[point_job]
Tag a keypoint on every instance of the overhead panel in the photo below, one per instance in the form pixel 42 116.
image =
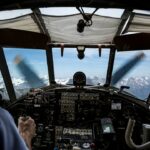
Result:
pixel 140 23
pixel 63 29
pixel 22 23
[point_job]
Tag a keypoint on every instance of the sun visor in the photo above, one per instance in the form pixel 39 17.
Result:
pixel 23 39
pixel 64 29
pixel 136 34
pixel 130 42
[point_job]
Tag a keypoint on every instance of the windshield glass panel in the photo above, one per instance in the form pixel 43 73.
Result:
pixel 92 65
pixel 35 60
pixel 72 10
pixel 138 78
pixel 14 13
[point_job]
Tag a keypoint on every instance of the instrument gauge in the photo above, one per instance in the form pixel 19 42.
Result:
pixel 79 79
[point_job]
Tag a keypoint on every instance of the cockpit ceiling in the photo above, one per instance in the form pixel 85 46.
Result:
pixel 63 29
pixel 21 23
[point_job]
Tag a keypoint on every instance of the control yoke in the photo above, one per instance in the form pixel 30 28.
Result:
pixel 128 137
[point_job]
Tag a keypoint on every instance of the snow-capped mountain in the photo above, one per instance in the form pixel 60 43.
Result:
pixel 139 86
pixel 62 81
pixel 91 81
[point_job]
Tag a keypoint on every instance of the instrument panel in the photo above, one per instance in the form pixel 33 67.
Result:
pixel 72 104
pixel 86 118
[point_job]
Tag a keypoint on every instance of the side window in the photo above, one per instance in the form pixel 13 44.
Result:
pixel 35 60
pixel 138 78
pixel 3 90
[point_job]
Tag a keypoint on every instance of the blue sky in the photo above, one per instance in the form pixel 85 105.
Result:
pixel 66 66
pixel 36 59
pixel 92 64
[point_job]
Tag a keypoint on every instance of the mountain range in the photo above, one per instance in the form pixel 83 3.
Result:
pixel 139 86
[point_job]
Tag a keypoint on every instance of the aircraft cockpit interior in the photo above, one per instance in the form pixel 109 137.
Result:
pixel 80 69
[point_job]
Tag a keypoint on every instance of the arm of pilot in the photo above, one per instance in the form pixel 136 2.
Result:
pixel 10 138
pixel 26 128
